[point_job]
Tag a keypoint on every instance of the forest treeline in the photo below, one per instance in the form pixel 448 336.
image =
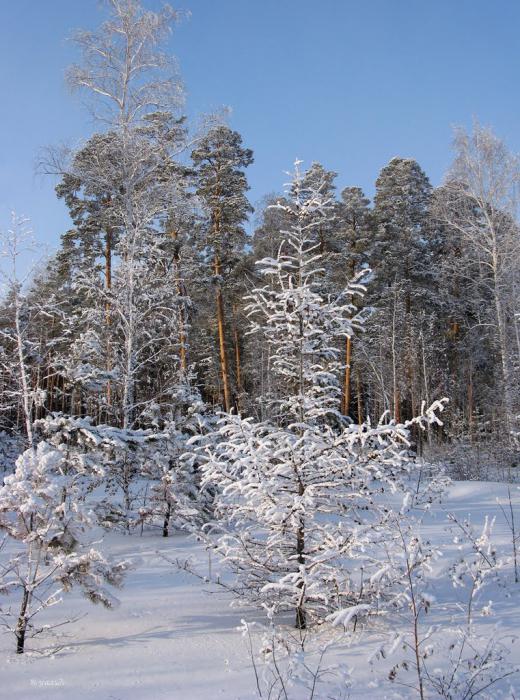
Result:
pixel 146 299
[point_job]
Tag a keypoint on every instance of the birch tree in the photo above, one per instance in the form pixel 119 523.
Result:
pixel 480 205
pixel 124 67
pixel 19 345
pixel 133 88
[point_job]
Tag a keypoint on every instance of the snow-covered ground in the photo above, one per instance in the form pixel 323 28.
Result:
pixel 174 637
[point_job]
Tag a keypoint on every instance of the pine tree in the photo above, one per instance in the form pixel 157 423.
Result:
pixel 42 507
pixel 219 161
pixel 401 257
pixel 355 238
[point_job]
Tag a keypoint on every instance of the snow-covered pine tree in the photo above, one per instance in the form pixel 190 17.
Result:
pixel 267 238
pixel 354 240
pixel 119 455
pixel 298 322
pixel 145 476
pixel 299 498
pixel 43 508
pixel 123 457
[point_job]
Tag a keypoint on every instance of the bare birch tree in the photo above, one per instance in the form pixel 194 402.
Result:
pixel 480 205
pixel 16 243
pixel 133 88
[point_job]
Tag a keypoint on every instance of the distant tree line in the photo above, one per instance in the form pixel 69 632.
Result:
pixel 148 291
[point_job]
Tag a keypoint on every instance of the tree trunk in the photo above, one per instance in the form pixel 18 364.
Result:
pixel 359 397
pixel 108 315
pixel 470 403
pixel 238 366
pixel 166 522
pixel 21 625
pixel 301 615
pixel 346 380
pixel 504 360
pixel 396 398
pixel 221 337
pixel 128 387
pixel 426 386
pixel 183 351
pixel 24 381
pixel 183 355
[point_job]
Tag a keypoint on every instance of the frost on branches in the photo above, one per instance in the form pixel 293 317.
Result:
pixel 305 502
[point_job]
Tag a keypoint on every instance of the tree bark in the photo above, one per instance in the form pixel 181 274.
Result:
pixel 346 380
pixel 166 522
pixel 221 337
pixel 108 314
pixel 301 615
pixel 21 625
pixel 238 364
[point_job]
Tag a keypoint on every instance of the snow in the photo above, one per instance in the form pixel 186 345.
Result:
pixel 174 636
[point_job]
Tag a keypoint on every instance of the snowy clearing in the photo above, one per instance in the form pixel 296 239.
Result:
pixel 175 637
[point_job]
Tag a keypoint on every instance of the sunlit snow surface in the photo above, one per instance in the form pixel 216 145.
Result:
pixel 175 638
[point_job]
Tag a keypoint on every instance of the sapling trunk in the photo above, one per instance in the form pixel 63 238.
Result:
pixel 346 378
pixel 21 625
pixel 166 522
pixel 301 615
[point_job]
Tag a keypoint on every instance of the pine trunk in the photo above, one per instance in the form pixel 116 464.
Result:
pixel 221 337
pixel 301 615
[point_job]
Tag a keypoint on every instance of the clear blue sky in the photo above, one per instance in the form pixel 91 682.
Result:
pixel 350 84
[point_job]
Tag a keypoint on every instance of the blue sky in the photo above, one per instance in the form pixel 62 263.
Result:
pixel 350 84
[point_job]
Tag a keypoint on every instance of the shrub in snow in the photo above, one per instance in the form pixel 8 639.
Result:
pixel 43 510
pixel 509 517
pixel 173 496
pixel 454 662
pixel 294 668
